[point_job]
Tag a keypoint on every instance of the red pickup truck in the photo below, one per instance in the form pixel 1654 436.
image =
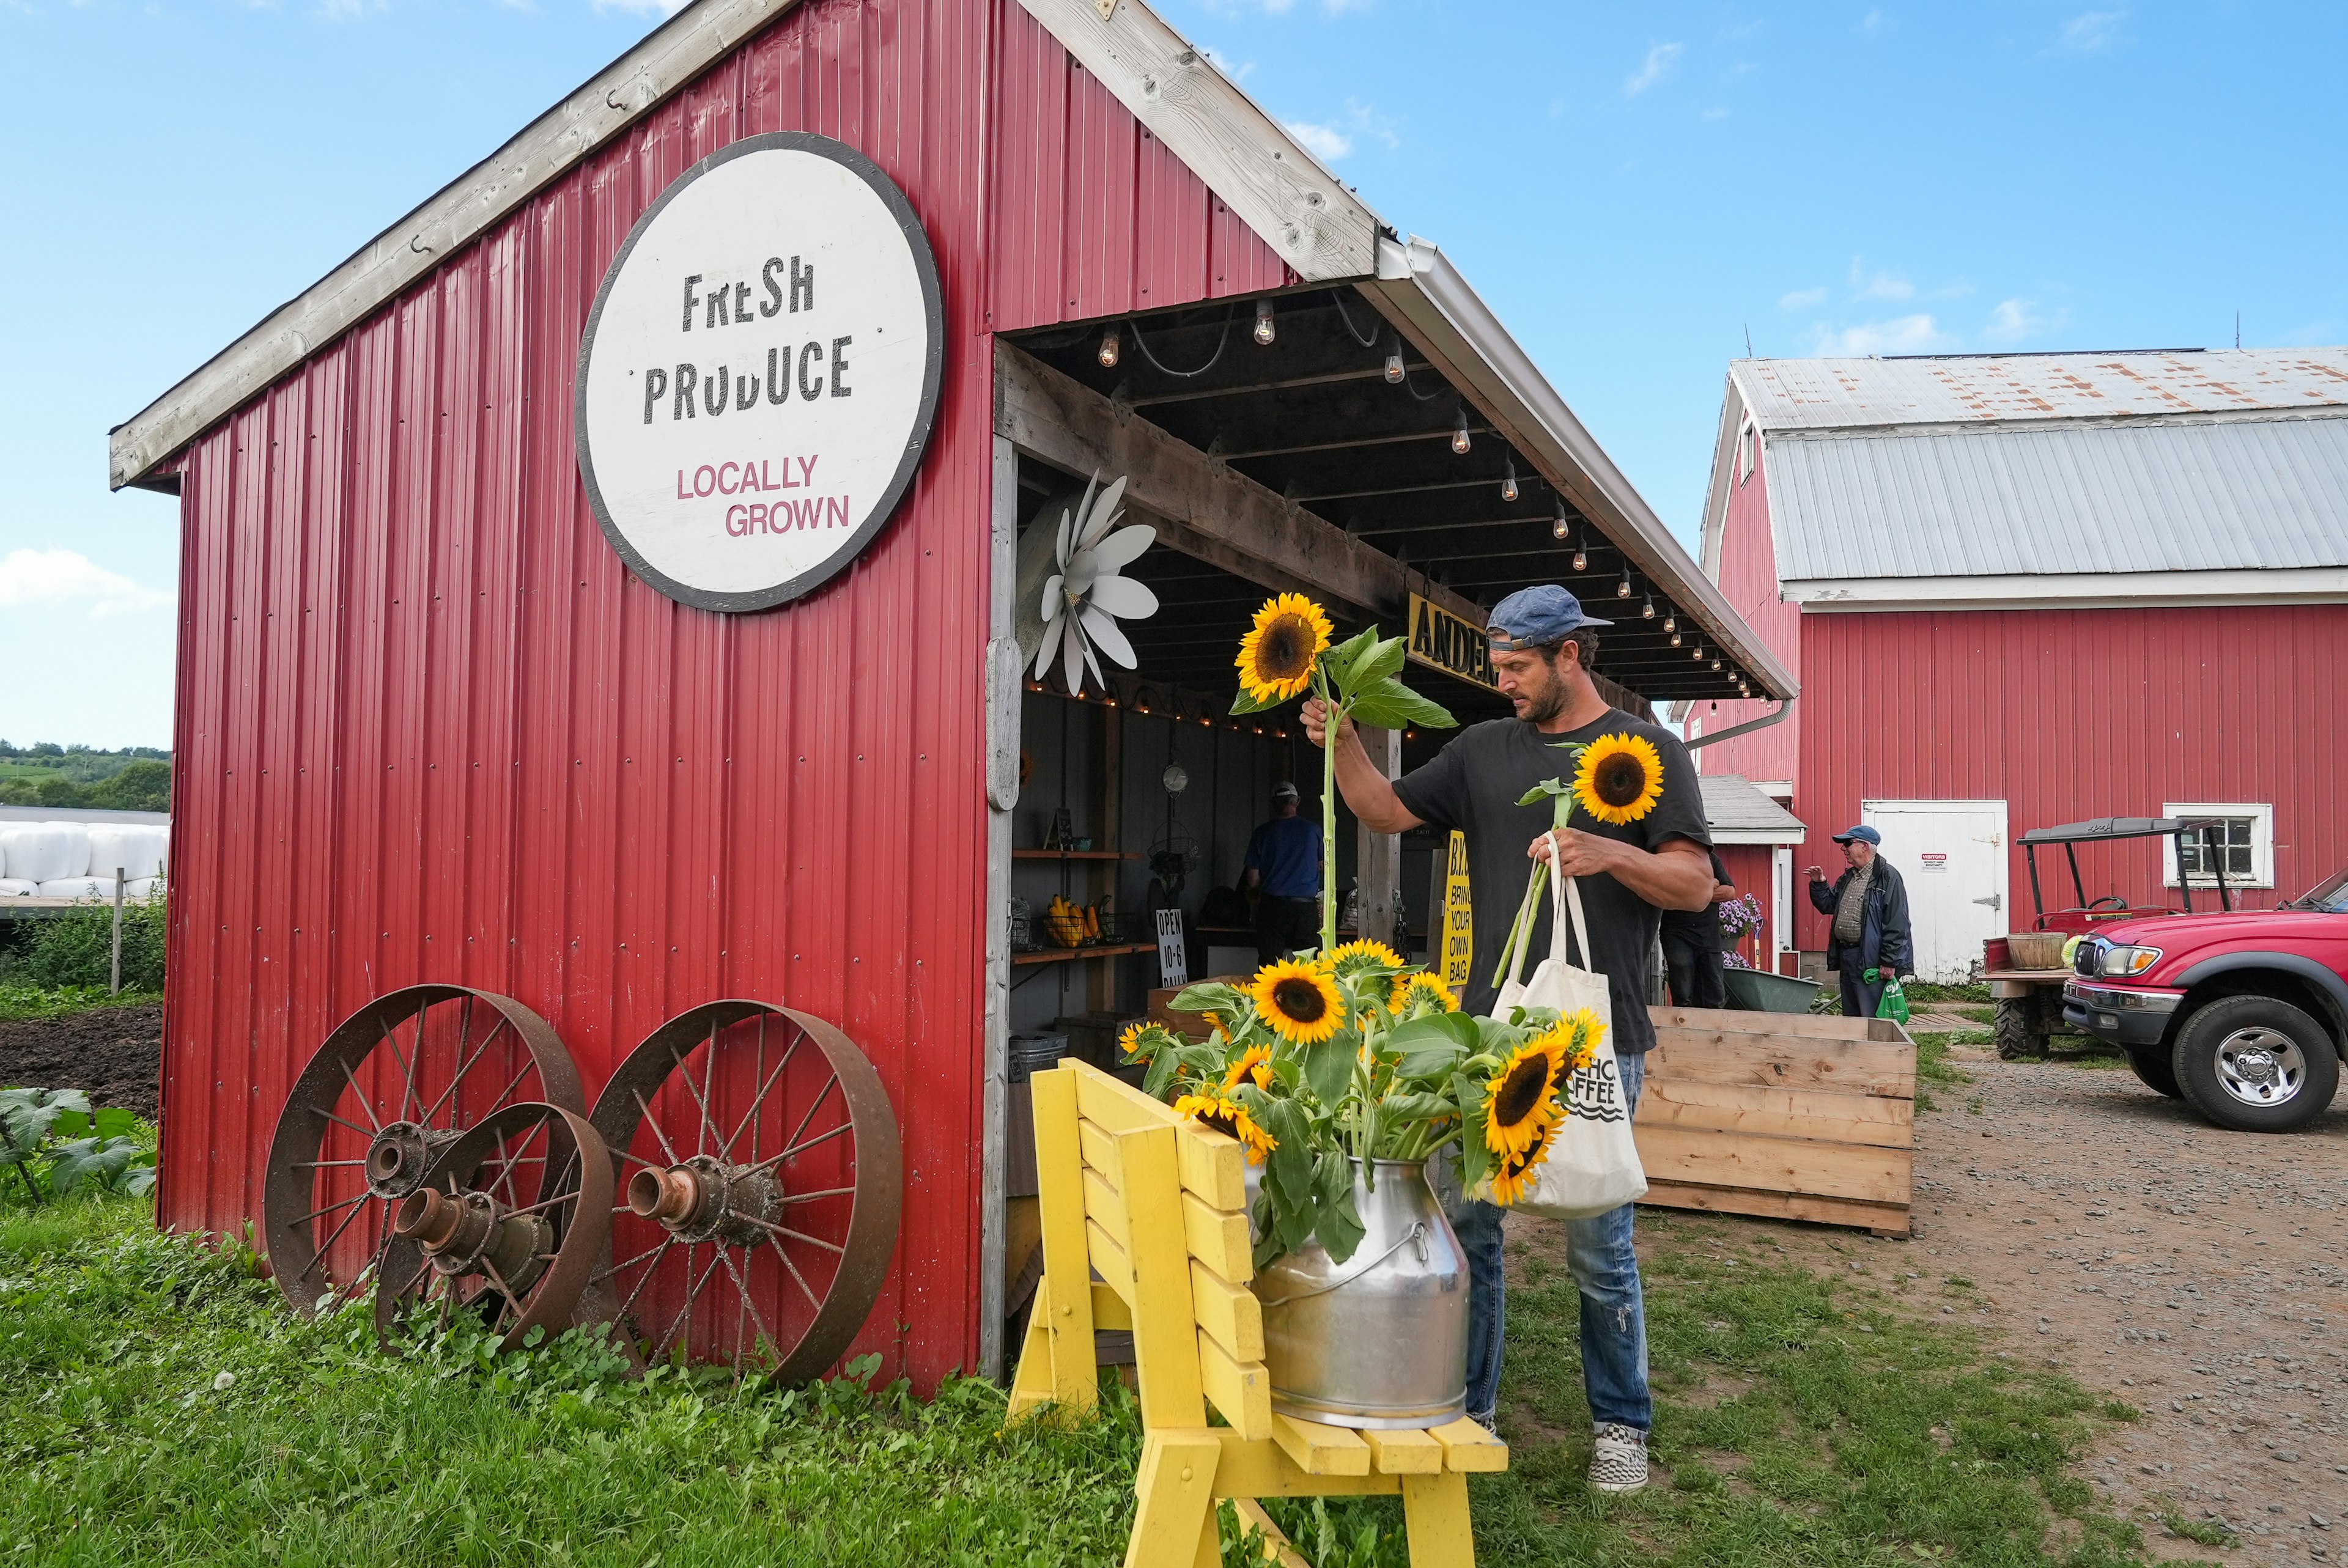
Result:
pixel 2243 1016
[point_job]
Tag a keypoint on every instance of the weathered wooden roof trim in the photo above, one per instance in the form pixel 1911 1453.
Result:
pixel 1435 308
pixel 475 201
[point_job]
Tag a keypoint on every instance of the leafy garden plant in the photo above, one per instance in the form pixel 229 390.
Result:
pixel 58 1145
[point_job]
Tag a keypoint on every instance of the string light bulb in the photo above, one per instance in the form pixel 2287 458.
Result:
pixel 1715 662
pixel 1622 588
pixel 1699 652
pixel 1671 622
pixel 1675 638
pixel 1560 527
pixel 1581 553
pixel 1394 359
pixel 1112 344
pixel 1647 611
pixel 1459 441
pixel 1508 480
pixel 1263 330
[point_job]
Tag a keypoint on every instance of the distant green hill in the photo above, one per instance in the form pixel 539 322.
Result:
pixel 135 778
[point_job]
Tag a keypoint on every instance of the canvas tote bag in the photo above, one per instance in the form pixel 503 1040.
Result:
pixel 1593 1164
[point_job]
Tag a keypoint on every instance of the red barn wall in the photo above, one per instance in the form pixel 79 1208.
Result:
pixel 1748 872
pixel 1748 580
pixel 430 729
pixel 2072 713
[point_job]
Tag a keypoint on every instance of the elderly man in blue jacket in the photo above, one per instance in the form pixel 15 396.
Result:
pixel 1869 942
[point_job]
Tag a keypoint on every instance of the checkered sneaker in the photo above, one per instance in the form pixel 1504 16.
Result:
pixel 1618 1462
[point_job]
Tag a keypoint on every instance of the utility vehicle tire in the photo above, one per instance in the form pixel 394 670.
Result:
pixel 2154 1070
pixel 2017 1040
pixel 2255 1064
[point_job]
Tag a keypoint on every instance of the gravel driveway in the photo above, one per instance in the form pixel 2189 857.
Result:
pixel 2199 1274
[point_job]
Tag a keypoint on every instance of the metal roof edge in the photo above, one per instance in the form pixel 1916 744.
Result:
pixel 1711 540
pixel 1420 281
pixel 2073 590
pixel 2297 413
pixel 669 56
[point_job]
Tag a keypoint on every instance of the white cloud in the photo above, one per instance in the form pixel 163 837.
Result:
pixel 1661 59
pixel 643 7
pixel 1902 334
pixel 1866 285
pixel 1801 299
pixel 63 577
pixel 2015 321
pixel 1325 142
pixel 1236 70
pixel 1874 21
pixel 2092 31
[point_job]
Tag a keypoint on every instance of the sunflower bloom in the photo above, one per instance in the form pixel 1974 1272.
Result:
pixel 1522 1104
pixel 1254 1065
pixel 1137 1043
pixel 1230 1118
pixel 1300 1001
pixel 1620 779
pixel 1587 1032
pixel 1514 1173
pixel 1423 987
pixel 1354 957
pixel 1277 654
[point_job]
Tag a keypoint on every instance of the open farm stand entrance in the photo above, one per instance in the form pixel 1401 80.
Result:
pixel 600 593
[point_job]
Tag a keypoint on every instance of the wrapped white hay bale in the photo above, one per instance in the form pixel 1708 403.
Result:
pixel 43 851
pixel 17 888
pixel 142 888
pixel 136 848
pixel 85 889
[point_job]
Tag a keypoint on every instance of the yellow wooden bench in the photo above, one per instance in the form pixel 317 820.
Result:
pixel 1156 1205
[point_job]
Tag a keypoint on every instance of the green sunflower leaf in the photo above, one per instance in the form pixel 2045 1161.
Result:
pixel 1391 705
pixel 1475 1159
pixel 1208 996
pixel 1339 661
pixel 1421 1106
pixel 1329 1067
pixel 1547 789
pixel 1380 659
pixel 1243 703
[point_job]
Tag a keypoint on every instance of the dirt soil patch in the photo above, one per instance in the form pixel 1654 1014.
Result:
pixel 113 1054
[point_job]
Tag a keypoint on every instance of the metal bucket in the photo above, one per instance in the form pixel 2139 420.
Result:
pixel 1381 1340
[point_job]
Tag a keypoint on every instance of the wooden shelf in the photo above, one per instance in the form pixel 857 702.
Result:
pixel 1065 955
pixel 1075 854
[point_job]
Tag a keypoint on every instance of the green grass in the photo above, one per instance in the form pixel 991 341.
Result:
pixel 1800 1422
pixel 1934 1068
pixel 57 1001
pixel 1926 991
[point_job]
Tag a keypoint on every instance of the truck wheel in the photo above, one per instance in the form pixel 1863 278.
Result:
pixel 2255 1064
pixel 2154 1070
pixel 2016 1038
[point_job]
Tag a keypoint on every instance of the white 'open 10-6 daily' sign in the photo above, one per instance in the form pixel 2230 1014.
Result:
pixel 759 373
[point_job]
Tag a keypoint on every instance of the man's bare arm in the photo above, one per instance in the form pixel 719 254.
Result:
pixel 1677 875
pixel 1369 793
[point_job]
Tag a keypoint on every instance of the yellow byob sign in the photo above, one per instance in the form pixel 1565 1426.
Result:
pixel 1459 916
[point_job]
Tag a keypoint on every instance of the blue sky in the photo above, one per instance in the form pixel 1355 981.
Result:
pixel 1634 189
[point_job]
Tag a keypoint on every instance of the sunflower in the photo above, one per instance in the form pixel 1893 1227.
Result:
pixel 1354 957
pixel 1423 987
pixel 1587 1032
pixel 1136 1042
pixel 1620 779
pixel 1255 1062
pixel 1522 1099
pixel 1515 1172
pixel 1300 1001
pixel 1277 655
pixel 1230 1118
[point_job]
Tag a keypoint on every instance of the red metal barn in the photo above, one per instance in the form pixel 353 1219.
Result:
pixel 2027 590
pixel 434 727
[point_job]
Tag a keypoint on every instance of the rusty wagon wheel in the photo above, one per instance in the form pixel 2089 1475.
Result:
pixel 390 1089
pixel 507 1226
pixel 757 1159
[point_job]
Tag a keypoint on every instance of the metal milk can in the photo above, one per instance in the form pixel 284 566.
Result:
pixel 1381 1340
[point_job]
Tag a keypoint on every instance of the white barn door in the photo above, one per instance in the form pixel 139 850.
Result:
pixel 1952 854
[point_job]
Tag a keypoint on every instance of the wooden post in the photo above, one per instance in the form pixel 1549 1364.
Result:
pixel 116 986
pixel 1378 858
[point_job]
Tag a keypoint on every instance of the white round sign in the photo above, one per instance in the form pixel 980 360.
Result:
pixel 760 371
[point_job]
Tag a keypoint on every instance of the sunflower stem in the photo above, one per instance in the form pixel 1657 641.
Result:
pixel 1337 710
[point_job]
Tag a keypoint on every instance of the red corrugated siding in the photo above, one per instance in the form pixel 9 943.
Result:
pixel 2066 714
pixel 1748 871
pixel 430 729
pixel 1749 580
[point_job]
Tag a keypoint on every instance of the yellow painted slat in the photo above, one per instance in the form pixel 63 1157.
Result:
pixel 1407 1453
pixel 1240 1389
pixel 1118 1106
pixel 1214 1166
pixel 1470 1448
pixel 1261 1469
pixel 1110 1258
pixel 1104 1206
pixel 1217 1239
pixel 1277 1547
pixel 1165 1336
pixel 1317 1450
pixel 1101 1151
pixel 1435 1517
pixel 1109 1310
pixel 1060 1205
pixel 1228 1313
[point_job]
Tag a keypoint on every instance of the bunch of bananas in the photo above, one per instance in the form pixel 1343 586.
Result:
pixel 1072 924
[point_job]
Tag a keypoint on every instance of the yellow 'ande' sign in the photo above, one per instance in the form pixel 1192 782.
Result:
pixel 1459 917
pixel 1442 640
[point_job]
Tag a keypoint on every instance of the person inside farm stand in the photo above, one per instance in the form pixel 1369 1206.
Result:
pixel 1283 870
pixel 1656 857
pixel 1692 943
pixel 1868 940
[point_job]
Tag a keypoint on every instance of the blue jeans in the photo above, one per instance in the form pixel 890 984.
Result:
pixel 1613 1311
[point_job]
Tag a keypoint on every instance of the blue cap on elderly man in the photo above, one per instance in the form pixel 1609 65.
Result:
pixel 1862 832
pixel 1535 618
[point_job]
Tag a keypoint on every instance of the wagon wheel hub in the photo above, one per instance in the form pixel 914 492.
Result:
pixel 705 1199
pixel 398 1155
pixel 465 1233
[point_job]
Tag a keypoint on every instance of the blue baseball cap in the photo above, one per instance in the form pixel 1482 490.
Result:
pixel 1862 832
pixel 1535 618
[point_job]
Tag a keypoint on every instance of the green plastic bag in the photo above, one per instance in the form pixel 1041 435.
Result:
pixel 1894 1005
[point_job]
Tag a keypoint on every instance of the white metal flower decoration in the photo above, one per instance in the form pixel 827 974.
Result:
pixel 1083 600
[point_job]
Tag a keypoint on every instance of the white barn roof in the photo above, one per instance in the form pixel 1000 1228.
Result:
pixel 1738 812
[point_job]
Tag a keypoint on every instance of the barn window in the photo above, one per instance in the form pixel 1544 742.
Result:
pixel 1745 440
pixel 2244 845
